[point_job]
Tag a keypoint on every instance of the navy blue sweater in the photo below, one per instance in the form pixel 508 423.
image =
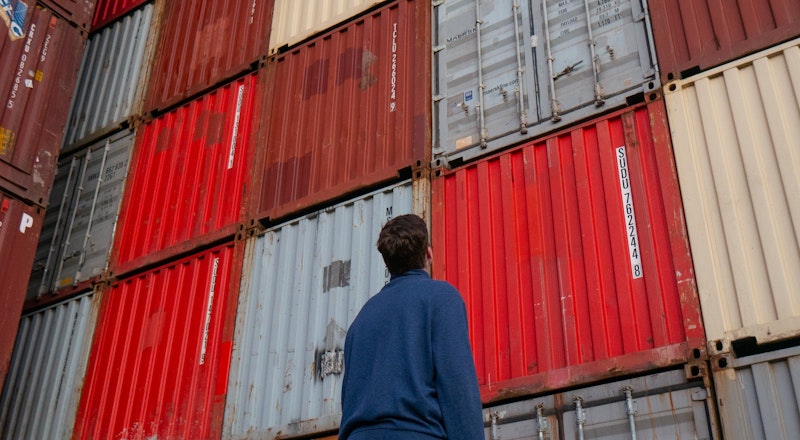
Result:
pixel 408 367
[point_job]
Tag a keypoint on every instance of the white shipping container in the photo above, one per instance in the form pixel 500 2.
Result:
pixel 294 21
pixel 759 395
pixel 303 283
pixel 656 406
pixel 508 71
pixel 80 221
pixel 45 377
pixel 113 77
pixel 735 131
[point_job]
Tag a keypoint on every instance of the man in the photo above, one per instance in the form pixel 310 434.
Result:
pixel 409 372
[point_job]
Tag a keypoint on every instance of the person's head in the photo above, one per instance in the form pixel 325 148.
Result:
pixel 404 245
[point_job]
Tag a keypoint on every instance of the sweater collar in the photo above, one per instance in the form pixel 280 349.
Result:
pixel 411 273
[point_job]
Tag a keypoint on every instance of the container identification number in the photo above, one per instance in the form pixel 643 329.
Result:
pixel 393 94
pixel 629 215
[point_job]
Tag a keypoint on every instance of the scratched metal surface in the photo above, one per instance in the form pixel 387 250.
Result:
pixel 303 283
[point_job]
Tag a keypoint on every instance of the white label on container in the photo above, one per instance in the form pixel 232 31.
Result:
pixel 232 151
pixel 628 213
pixel 209 309
pixel 393 80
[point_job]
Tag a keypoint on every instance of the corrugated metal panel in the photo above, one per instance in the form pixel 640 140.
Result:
pixel 112 79
pixel 43 54
pixel 664 405
pixel 571 255
pixel 107 11
pixel 295 21
pixel 188 177
pixel 735 131
pixel 204 43
pixel 78 12
pixel 75 243
pixel 357 97
pixel 303 284
pixel 702 34
pixel 20 225
pixel 159 361
pixel 44 382
pixel 527 68
pixel 759 396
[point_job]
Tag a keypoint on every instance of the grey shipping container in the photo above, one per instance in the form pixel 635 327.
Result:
pixel 113 77
pixel 78 232
pixel 759 395
pixel 508 71
pixel 303 283
pixel 44 381
pixel 656 406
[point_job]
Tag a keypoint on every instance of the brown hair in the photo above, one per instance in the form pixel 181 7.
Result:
pixel 403 243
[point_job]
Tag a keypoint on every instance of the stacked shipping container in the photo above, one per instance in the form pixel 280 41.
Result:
pixel 736 129
pixel 561 179
pixel 41 48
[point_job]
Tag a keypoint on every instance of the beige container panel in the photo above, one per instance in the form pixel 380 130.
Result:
pixel 293 21
pixel 736 136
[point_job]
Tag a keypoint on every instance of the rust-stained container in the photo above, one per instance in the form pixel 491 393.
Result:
pixel 697 35
pixel 736 131
pixel 345 111
pixel 20 225
pixel 572 257
pixel 204 43
pixel 107 11
pixel 158 366
pixel 42 54
pixel 188 178
pixel 77 12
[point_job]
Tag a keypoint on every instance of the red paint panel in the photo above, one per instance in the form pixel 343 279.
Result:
pixel 188 178
pixel 204 43
pixel 347 110
pixel 537 240
pixel 159 351
pixel 107 11
pixel 41 67
pixel 20 225
pixel 705 33
pixel 78 12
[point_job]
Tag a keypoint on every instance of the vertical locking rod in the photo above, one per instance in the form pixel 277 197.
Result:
pixel 481 85
pixel 580 415
pixel 523 115
pixel 630 409
pixel 555 106
pixel 598 90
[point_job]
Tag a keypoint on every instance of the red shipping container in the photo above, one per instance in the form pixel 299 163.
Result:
pixel 20 225
pixel 42 54
pixel 204 43
pixel 346 110
pixel 572 256
pixel 697 35
pixel 107 11
pixel 78 12
pixel 188 178
pixel 159 362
